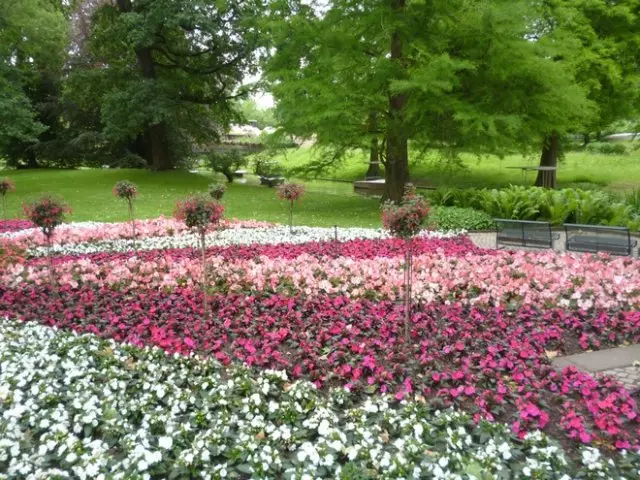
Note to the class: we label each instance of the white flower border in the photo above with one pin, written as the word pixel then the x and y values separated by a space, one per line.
pixel 81 407
pixel 235 236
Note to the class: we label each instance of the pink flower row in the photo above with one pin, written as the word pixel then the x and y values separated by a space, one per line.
pixel 544 279
pixel 157 227
pixel 8 226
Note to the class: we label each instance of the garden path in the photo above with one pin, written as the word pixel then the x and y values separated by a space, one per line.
pixel 622 363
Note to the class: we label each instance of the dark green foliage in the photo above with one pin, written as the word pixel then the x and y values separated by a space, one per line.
pixel 225 162
pixel 607 148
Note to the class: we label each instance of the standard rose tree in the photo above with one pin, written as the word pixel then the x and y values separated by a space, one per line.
pixel 200 213
pixel 290 192
pixel 6 186
pixel 217 191
pixel 47 213
pixel 127 191
pixel 405 221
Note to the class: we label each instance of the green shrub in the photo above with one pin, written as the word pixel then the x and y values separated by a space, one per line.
pixel 607 148
pixel 455 218
pixel 568 205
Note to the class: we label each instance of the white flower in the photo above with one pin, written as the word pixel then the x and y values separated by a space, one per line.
pixel 165 442
pixel 142 466
pixel 324 428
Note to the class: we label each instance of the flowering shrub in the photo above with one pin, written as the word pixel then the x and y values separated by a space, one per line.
pixel 405 220
pixel 199 213
pixel 79 407
pixel 46 213
pixel 217 190
pixel 10 255
pixel 125 190
pixel 6 186
pixel 290 192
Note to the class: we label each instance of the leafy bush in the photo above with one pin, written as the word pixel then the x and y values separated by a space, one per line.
pixel 555 206
pixel 456 218
pixel 226 162
pixel 268 168
pixel 607 148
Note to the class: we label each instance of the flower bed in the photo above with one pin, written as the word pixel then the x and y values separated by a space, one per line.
pixel 85 408
pixel 493 362
pixel 484 327
pixel 445 270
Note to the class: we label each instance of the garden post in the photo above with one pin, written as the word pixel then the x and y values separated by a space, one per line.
pixel 204 271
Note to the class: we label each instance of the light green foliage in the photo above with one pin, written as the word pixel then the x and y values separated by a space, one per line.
pixel 556 206
pixel 250 111
pixel 225 162
pixel 473 80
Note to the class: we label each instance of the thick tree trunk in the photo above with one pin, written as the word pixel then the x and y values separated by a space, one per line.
pixel 549 158
pixel 397 164
pixel 157 151
pixel 374 150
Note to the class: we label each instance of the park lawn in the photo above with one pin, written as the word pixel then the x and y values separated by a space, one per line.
pixel 576 169
pixel 88 192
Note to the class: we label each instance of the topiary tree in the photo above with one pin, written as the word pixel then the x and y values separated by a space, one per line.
pixel 290 192
pixel 217 191
pixel 47 213
pixel 6 186
pixel 405 221
pixel 199 213
pixel 128 191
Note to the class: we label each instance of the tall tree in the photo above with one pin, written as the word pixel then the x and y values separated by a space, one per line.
pixel 33 39
pixel 452 75
pixel 599 41
pixel 174 69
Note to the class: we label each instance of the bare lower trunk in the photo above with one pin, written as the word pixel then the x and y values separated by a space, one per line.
pixel 374 149
pixel 548 160
pixel 133 225
pixel 291 216
pixel 205 302
pixel 408 275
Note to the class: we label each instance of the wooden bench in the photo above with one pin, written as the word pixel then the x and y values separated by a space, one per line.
pixel 597 238
pixel 523 233
pixel 271 181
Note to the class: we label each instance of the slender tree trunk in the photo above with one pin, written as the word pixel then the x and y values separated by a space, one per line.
pixel 132 219
pixel 4 206
pixel 397 164
pixel 157 152
pixel 205 301
pixel 549 158
pixel 374 150
pixel 408 276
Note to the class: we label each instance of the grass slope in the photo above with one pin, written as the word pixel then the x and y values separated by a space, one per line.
pixel 88 192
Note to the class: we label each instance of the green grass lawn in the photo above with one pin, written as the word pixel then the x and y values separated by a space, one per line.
pixel 88 192
pixel 612 172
